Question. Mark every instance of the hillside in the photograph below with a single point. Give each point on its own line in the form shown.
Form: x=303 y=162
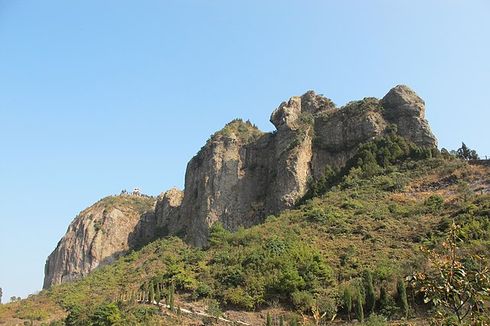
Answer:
x=340 y=214
x=242 y=175
x=372 y=216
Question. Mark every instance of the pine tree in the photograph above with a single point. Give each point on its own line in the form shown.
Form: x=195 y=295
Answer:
x=281 y=320
x=158 y=295
x=383 y=298
x=347 y=298
x=359 y=308
x=170 y=297
x=402 y=297
x=369 y=290
x=151 y=292
x=465 y=153
x=269 y=319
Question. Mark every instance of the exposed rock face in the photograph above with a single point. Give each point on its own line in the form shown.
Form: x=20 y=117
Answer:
x=98 y=235
x=241 y=175
x=406 y=109
x=240 y=182
x=167 y=211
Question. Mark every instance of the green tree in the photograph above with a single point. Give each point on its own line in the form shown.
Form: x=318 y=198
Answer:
x=465 y=153
x=107 y=314
x=158 y=295
x=369 y=291
x=401 y=291
x=281 y=320
x=218 y=234
x=151 y=292
x=359 y=308
x=268 y=320
x=383 y=298
x=457 y=284
x=347 y=301
x=170 y=296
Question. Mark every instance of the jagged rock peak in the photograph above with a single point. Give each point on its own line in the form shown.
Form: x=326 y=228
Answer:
x=172 y=197
x=288 y=114
x=403 y=100
x=404 y=108
x=167 y=209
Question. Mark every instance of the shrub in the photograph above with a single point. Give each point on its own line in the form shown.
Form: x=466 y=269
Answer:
x=376 y=320
x=238 y=297
x=434 y=203
x=303 y=301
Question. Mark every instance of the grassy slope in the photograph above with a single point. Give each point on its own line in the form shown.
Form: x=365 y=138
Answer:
x=376 y=224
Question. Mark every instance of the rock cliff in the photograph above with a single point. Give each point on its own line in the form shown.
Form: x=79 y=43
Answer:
x=241 y=174
x=100 y=234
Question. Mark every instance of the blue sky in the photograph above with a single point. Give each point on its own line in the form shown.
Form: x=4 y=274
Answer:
x=99 y=96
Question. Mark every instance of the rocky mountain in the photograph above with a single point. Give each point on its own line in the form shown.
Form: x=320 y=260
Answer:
x=99 y=235
x=240 y=176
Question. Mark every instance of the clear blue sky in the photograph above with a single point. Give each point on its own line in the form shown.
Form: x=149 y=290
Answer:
x=97 y=96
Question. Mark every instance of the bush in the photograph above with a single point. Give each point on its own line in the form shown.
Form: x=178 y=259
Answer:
x=434 y=203
x=376 y=320
x=238 y=297
x=108 y=314
x=303 y=301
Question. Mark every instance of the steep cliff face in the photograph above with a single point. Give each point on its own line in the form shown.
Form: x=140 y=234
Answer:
x=100 y=234
x=238 y=180
x=241 y=175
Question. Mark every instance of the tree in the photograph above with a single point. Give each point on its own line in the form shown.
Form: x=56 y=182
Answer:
x=369 y=290
x=170 y=297
x=347 y=301
x=151 y=292
x=158 y=295
x=281 y=320
x=108 y=314
x=456 y=283
x=15 y=299
x=1 y=293
x=465 y=153
x=401 y=291
x=359 y=308
x=268 y=320
x=383 y=298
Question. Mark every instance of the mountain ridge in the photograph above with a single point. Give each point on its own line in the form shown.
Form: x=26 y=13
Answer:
x=241 y=175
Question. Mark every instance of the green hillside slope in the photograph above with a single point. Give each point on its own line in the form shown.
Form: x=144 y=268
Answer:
x=346 y=252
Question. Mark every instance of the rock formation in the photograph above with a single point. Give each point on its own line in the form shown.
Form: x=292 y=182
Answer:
x=241 y=174
x=99 y=235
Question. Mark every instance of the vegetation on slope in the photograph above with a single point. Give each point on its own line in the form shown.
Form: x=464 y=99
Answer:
x=245 y=131
x=344 y=253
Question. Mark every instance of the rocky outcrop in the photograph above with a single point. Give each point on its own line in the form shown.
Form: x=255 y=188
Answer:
x=167 y=212
x=241 y=175
x=404 y=108
x=99 y=235
x=238 y=180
